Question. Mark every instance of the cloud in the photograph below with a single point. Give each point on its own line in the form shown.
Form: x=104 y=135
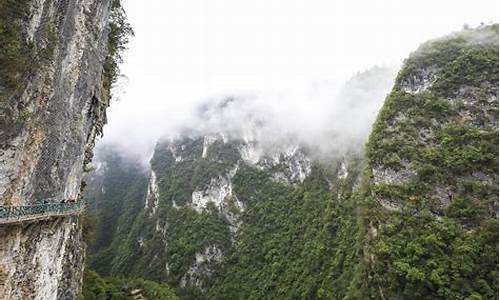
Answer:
x=328 y=117
x=291 y=57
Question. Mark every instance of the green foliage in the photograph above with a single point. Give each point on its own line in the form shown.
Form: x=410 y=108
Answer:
x=178 y=180
x=443 y=134
x=421 y=256
x=329 y=238
x=465 y=58
x=119 y=35
x=51 y=41
x=88 y=221
x=108 y=288
x=287 y=231
x=188 y=233
x=114 y=202
x=15 y=52
x=295 y=242
x=444 y=243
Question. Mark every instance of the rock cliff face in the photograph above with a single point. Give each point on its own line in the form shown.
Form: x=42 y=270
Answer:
x=203 y=201
x=209 y=192
x=413 y=215
x=192 y=180
x=432 y=192
x=52 y=110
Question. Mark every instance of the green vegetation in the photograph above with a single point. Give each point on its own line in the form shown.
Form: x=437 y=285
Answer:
x=15 y=52
x=332 y=238
x=464 y=58
x=120 y=32
x=295 y=242
x=281 y=226
x=117 y=199
x=178 y=180
x=444 y=243
x=122 y=222
x=189 y=232
x=113 y=288
x=443 y=136
x=421 y=256
x=116 y=202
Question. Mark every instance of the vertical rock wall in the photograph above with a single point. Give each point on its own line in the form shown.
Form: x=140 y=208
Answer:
x=42 y=154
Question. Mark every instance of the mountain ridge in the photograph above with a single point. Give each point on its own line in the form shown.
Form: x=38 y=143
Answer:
x=406 y=217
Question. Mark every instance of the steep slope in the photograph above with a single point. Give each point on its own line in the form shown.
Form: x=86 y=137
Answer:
x=211 y=219
x=412 y=216
x=432 y=159
x=58 y=60
x=211 y=194
x=117 y=190
x=96 y=287
x=192 y=210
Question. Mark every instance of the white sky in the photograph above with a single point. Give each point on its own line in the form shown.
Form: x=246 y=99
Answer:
x=186 y=51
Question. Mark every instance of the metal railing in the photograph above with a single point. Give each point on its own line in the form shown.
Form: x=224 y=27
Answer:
x=16 y=214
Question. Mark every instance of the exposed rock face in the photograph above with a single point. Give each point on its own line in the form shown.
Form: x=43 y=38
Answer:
x=192 y=184
x=420 y=81
x=433 y=174
x=42 y=260
x=383 y=175
x=437 y=123
x=43 y=156
x=201 y=267
x=220 y=197
x=416 y=214
x=218 y=189
x=152 y=196
x=287 y=164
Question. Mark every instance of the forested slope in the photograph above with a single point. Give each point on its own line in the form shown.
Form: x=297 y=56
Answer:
x=411 y=215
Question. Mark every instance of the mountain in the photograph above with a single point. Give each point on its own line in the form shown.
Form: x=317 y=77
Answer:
x=208 y=196
x=183 y=225
x=238 y=213
x=58 y=60
x=432 y=192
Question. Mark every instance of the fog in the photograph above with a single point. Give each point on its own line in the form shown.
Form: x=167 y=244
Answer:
x=290 y=64
x=326 y=119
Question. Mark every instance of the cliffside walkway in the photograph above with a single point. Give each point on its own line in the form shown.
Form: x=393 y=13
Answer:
x=26 y=213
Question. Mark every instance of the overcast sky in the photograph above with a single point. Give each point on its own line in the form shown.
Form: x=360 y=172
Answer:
x=186 y=51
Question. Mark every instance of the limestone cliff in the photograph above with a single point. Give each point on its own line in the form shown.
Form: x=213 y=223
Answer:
x=54 y=90
x=211 y=189
x=432 y=191
x=412 y=216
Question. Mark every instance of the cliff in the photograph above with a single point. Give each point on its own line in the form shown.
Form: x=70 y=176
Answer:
x=58 y=62
x=206 y=199
x=217 y=202
x=432 y=187
x=414 y=214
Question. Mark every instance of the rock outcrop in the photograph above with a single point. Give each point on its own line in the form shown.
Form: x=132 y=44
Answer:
x=432 y=186
x=212 y=190
x=49 y=121
x=414 y=215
